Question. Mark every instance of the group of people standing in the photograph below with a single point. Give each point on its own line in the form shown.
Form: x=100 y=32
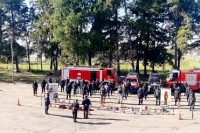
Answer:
x=125 y=89
x=43 y=86
x=142 y=94
x=79 y=86
x=190 y=95
x=105 y=90
x=66 y=86
x=86 y=103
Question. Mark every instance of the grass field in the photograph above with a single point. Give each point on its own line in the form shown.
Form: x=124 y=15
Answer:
x=36 y=73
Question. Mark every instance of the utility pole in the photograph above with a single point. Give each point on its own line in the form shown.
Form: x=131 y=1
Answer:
x=176 y=55
x=12 y=54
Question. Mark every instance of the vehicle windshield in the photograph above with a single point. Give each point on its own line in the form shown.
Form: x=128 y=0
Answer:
x=156 y=75
x=104 y=83
x=154 y=80
x=131 y=80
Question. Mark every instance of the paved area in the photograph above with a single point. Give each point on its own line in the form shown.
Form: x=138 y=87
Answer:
x=30 y=117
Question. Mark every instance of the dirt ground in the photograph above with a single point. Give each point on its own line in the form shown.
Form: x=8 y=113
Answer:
x=30 y=117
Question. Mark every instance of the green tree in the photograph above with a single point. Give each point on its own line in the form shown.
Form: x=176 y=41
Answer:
x=146 y=31
x=44 y=33
x=184 y=14
x=15 y=12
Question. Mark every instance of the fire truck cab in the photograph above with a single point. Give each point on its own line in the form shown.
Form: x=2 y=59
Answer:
x=191 y=77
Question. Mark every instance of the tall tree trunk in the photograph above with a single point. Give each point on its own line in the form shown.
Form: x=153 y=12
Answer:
x=129 y=40
x=179 y=63
x=153 y=66
x=132 y=57
x=41 y=62
x=110 y=58
x=138 y=65
x=138 y=55
x=17 y=64
x=179 y=59
x=51 y=63
x=176 y=55
x=89 y=58
x=145 y=66
x=132 y=64
x=28 y=55
x=118 y=67
x=56 y=64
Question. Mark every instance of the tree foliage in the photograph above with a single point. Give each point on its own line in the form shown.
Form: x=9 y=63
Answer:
x=77 y=31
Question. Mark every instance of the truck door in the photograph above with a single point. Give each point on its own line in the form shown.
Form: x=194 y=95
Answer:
x=93 y=76
x=191 y=79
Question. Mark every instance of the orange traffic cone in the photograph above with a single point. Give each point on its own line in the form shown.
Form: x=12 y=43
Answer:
x=18 y=102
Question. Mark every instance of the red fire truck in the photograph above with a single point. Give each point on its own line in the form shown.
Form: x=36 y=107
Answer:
x=89 y=74
x=191 y=77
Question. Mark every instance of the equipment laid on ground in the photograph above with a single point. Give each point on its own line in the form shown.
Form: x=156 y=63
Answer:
x=89 y=74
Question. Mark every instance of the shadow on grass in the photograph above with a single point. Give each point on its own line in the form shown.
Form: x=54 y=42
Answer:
x=25 y=77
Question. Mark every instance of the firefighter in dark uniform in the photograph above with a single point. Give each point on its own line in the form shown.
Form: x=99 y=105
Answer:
x=102 y=94
x=85 y=89
x=192 y=100
x=97 y=85
x=90 y=89
x=43 y=85
x=93 y=86
x=112 y=85
x=75 y=108
x=47 y=103
x=157 y=95
x=86 y=106
x=74 y=87
x=145 y=90
x=35 y=87
x=68 y=90
x=187 y=91
x=177 y=95
x=126 y=89
x=62 y=85
x=67 y=81
x=140 y=94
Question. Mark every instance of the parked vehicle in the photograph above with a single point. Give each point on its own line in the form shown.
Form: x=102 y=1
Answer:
x=153 y=82
x=89 y=74
x=191 y=77
x=121 y=79
x=156 y=75
x=134 y=80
